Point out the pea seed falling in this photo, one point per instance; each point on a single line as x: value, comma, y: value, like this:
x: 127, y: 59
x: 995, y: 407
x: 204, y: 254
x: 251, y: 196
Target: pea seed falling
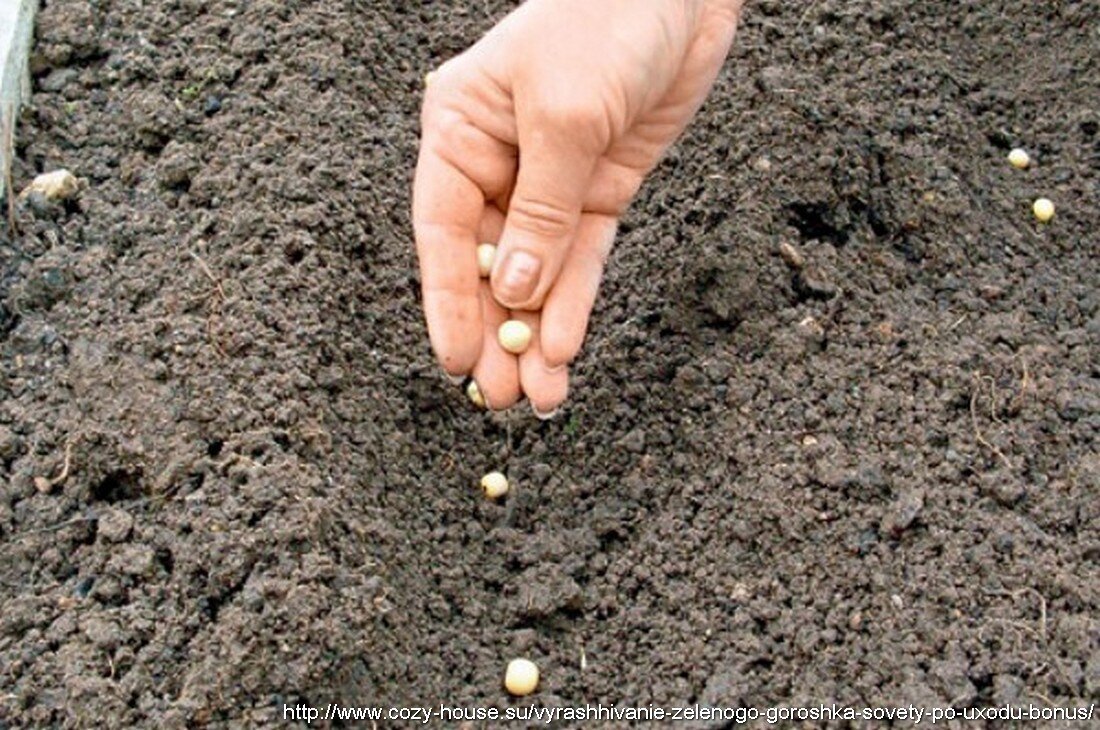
x: 514, y: 336
x: 474, y: 394
x: 486, y: 255
x: 1019, y: 158
x: 494, y: 484
x: 521, y: 677
x: 1043, y: 209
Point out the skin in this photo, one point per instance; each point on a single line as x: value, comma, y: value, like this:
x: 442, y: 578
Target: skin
x: 537, y: 138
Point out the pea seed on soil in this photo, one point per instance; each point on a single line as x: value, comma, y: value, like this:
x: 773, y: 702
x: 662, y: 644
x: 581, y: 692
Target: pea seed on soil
x: 269, y: 494
x: 494, y: 485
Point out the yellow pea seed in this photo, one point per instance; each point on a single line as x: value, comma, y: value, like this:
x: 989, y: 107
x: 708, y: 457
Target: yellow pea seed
x: 474, y: 394
x: 1043, y: 209
x: 486, y: 254
x: 522, y: 677
x: 428, y: 78
x: 514, y: 336
x: 494, y: 484
x: 56, y: 185
x: 1019, y: 159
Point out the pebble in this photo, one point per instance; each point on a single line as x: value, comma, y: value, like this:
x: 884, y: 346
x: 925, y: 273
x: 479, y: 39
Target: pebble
x: 812, y: 331
x: 115, y: 524
x: 136, y: 560
x: 41, y: 206
x: 84, y: 587
x: 791, y: 255
x: 634, y: 441
x: 904, y: 513
x: 58, y: 79
x: 10, y: 444
x: 101, y: 632
x: 813, y: 282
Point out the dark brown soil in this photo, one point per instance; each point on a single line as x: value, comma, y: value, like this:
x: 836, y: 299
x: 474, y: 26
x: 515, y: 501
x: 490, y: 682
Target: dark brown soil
x: 234, y: 478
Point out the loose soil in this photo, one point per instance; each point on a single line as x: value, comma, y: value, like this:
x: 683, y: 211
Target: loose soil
x: 234, y: 478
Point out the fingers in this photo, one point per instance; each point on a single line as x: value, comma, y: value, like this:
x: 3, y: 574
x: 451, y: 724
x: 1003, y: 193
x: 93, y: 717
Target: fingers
x: 447, y: 211
x: 569, y: 304
x: 497, y: 371
x: 546, y: 387
x: 556, y: 165
x: 462, y: 163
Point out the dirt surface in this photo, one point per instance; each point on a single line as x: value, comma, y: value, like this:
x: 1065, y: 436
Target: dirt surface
x: 234, y: 478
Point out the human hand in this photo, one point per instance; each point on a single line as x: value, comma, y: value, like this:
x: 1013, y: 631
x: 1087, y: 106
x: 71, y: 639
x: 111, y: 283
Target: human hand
x: 538, y: 137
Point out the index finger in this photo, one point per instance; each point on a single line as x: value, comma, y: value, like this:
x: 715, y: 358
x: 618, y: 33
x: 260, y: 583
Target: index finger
x: 447, y: 210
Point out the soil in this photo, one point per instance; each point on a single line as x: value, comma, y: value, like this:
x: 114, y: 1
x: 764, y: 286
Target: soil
x: 234, y: 478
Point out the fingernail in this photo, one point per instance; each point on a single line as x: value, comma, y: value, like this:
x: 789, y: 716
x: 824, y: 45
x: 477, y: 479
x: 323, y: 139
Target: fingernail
x: 519, y: 275
x: 455, y: 379
x: 544, y: 416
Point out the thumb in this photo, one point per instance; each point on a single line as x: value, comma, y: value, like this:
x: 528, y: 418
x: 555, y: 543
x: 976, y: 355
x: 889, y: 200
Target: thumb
x: 555, y: 167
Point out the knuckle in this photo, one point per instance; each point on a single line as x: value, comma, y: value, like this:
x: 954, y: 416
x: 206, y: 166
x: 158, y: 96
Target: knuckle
x: 448, y: 128
x: 543, y: 218
x: 579, y: 118
x: 613, y: 188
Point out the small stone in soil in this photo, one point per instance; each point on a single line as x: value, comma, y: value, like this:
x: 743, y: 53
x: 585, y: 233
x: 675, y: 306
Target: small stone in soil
x: 812, y: 331
x: 58, y: 79
x: 41, y: 206
x: 10, y: 444
x: 814, y: 283
x: 904, y: 513
x: 114, y: 525
x: 84, y: 587
x: 791, y: 255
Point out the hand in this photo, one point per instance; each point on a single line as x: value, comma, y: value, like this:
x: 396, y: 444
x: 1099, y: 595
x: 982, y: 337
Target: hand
x: 538, y: 137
